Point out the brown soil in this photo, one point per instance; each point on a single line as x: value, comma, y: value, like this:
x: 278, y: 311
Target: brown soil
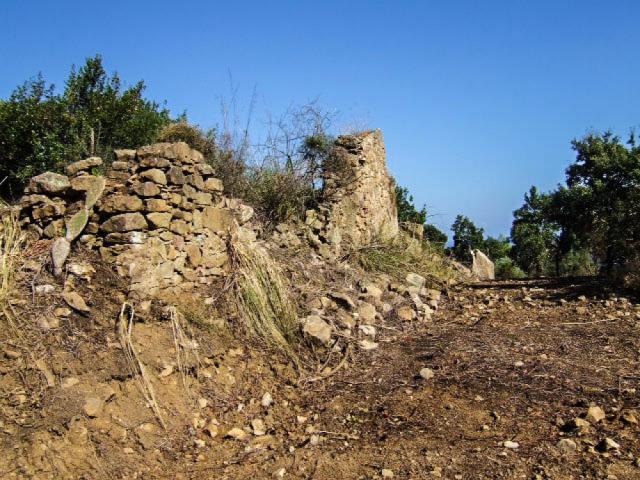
x: 375, y: 413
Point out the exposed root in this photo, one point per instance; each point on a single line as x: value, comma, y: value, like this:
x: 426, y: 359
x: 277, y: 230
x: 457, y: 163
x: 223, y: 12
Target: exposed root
x: 185, y: 347
x: 136, y: 367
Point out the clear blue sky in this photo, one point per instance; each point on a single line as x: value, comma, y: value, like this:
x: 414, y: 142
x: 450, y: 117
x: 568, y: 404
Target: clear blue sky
x: 477, y: 99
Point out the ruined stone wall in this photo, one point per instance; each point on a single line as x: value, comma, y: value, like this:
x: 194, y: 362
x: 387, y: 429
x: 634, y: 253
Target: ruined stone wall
x: 359, y: 202
x: 158, y: 213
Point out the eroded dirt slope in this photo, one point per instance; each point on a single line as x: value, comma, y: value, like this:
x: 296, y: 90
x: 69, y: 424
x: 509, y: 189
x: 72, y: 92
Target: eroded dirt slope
x: 524, y: 380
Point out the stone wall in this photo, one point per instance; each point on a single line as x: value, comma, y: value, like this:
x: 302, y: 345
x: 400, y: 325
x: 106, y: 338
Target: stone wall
x: 158, y: 213
x: 359, y: 202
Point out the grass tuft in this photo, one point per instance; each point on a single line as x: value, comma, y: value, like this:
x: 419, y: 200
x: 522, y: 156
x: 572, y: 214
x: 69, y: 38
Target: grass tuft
x: 262, y: 296
x: 402, y: 255
x: 12, y: 241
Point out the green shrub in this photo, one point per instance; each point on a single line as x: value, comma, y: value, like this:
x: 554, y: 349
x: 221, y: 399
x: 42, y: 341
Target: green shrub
x: 506, y: 269
x: 577, y: 263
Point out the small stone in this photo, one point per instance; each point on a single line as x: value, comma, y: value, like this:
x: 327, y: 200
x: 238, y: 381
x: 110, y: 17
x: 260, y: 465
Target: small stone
x: 427, y: 373
x: 316, y: 328
x: 157, y: 205
x: 11, y: 354
x: 386, y: 473
x: 237, y: 434
x: 76, y: 302
x: 212, y: 428
x: 69, y: 382
x: 63, y: 312
x: 578, y: 424
x: 607, y: 444
x: 199, y: 443
x: 415, y: 280
x: 175, y: 176
x: 510, y: 445
x: 121, y: 203
x: 629, y: 418
x: 368, y: 330
x: 367, y: 344
x: 367, y: 313
x: 128, y: 450
x: 60, y: 249
x: 146, y: 189
x: 203, y: 402
x: 267, y: 400
x: 280, y: 473
x: 343, y: 300
x: 406, y: 313
x: 44, y: 289
x: 92, y: 407
x: 258, y: 427
x: 595, y: 414
x: 567, y: 445
x: 519, y: 364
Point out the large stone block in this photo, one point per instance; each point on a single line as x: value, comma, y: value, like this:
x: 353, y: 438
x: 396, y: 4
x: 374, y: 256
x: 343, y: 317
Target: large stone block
x: 124, y: 222
x: 49, y: 182
x: 83, y: 165
x: 217, y: 219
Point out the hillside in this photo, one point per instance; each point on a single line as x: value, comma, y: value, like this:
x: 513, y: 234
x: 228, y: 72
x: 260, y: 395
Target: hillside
x: 156, y: 328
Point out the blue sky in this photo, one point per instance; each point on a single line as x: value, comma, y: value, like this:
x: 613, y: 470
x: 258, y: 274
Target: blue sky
x: 477, y: 100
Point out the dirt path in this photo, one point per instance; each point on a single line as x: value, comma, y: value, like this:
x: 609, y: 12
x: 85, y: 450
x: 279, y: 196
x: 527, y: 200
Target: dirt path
x: 512, y: 363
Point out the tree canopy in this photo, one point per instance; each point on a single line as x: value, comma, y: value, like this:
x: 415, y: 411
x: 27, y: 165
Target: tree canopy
x: 41, y: 129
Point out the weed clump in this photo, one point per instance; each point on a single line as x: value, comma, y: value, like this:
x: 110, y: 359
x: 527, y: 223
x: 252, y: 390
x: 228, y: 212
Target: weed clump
x: 12, y: 240
x: 262, y: 296
x: 401, y: 255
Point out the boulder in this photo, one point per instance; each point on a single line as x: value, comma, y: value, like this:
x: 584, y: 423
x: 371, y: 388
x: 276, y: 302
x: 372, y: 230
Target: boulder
x: 49, y: 182
x: 82, y: 165
x: 124, y: 222
x: 175, y: 176
x: 483, y: 268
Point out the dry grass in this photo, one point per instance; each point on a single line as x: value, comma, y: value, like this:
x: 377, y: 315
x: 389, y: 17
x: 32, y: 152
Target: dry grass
x: 12, y: 241
x: 262, y: 296
x: 402, y: 255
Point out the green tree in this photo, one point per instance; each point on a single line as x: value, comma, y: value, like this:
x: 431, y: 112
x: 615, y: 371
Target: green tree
x: 42, y: 130
x: 599, y: 208
x: 435, y: 236
x: 496, y: 248
x: 466, y: 237
x: 533, y: 234
x: 407, y: 211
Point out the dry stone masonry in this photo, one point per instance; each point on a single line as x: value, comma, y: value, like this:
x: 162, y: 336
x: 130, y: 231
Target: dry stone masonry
x: 359, y: 194
x: 158, y: 213
x: 358, y: 199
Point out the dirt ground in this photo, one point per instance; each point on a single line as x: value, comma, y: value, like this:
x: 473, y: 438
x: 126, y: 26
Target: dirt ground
x: 519, y: 363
